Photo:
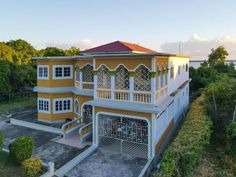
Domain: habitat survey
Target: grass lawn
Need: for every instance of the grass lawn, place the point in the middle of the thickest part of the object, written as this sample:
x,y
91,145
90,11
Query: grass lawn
x,y
4,107
9,168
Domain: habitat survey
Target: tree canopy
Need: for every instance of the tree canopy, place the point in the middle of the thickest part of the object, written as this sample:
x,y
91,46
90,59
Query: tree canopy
x,y
217,55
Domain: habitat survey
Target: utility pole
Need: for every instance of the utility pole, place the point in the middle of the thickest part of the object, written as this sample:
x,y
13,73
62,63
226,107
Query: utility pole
x,y
180,50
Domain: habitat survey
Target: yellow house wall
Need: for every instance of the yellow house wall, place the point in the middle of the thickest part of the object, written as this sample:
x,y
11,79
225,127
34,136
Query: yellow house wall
x,y
160,61
164,136
82,63
58,82
61,116
130,63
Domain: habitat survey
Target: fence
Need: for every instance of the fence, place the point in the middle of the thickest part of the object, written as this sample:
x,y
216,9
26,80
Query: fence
x,y
17,96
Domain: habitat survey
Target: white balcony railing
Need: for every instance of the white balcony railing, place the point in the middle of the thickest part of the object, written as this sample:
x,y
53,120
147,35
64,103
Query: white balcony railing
x,y
87,85
104,93
142,97
84,85
122,95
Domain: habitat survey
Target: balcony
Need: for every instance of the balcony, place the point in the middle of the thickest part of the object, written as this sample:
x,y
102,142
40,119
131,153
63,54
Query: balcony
x,y
84,85
124,95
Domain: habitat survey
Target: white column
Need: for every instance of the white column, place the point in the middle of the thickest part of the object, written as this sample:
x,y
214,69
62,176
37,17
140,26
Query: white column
x,y
80,79
112,87
95,78
153,89
131,88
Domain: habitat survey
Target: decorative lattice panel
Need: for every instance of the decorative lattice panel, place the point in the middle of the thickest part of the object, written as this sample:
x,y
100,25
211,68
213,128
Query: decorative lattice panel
x,y
121,78
123,135
87,73
104,78
142,79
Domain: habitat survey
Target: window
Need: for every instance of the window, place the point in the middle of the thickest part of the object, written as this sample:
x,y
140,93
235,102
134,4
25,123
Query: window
x,y
44,105
62,72
186,67
62,105
76,107
179,69
43,72
172,72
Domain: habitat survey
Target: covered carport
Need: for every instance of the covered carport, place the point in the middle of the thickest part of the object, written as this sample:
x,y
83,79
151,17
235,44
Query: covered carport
x,y
123,134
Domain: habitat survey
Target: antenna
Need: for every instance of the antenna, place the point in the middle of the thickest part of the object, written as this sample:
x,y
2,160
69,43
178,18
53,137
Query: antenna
x,y
180,48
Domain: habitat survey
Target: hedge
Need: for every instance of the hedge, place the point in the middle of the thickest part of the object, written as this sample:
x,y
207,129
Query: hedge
x,y
1,140
32,167
183,154
21,149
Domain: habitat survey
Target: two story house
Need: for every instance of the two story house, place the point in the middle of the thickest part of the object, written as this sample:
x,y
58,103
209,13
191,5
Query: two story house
x,y
127,96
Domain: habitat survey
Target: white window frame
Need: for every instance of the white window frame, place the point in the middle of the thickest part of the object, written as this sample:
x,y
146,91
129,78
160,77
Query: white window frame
x,y
62,77
43,77
44,99
62,111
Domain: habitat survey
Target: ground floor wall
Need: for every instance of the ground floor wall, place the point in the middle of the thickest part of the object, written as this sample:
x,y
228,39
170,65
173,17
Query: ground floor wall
x,y
52,116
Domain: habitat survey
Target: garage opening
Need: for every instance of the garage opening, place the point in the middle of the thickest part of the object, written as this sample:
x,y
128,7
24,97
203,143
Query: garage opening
x,y
123,134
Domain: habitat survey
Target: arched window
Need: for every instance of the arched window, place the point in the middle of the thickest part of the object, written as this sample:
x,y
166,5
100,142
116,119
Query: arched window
x,y
76,107
77,73
121,78
104,78
142,79
87,75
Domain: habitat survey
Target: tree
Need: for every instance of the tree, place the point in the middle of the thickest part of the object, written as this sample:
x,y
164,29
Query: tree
x,y
217,55
72,51
24,49
51,51
5,86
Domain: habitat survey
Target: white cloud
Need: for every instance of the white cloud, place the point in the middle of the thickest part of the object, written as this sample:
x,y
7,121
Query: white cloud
x,y
199,47
82,44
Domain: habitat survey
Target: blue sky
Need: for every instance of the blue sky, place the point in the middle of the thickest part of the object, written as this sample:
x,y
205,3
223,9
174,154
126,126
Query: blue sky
x,y
151,23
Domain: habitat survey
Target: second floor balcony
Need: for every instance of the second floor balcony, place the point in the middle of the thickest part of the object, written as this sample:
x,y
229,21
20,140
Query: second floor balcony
x,y
140,85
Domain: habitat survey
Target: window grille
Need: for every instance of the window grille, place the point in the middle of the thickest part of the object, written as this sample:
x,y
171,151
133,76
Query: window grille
x,y
104,78
142,79
87,75
121,78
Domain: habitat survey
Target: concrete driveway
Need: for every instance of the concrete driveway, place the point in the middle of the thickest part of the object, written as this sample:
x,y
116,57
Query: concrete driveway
x,y
105,163
45,146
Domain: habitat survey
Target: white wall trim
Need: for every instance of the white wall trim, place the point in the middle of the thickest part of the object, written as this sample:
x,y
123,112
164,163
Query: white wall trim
x,y
62,99
44,99
63,77
43,78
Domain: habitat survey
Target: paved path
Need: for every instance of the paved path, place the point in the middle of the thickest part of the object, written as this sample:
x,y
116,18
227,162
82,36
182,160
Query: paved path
x,y
105,163
45,146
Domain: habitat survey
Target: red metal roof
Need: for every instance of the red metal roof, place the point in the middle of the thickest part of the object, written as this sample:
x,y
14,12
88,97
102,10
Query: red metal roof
x,y
118,46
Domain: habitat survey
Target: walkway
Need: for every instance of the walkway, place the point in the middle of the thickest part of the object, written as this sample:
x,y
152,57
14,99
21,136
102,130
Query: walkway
x,y
105,163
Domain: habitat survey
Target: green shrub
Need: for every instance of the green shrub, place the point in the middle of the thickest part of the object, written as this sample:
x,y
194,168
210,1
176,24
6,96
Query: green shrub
x,y
183,154
21,149
231,134
1,140
32,167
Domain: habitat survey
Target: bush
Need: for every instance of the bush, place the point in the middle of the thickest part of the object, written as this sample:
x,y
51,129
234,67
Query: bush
x,y
183,154
21,149
32,167
231,134
1,140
